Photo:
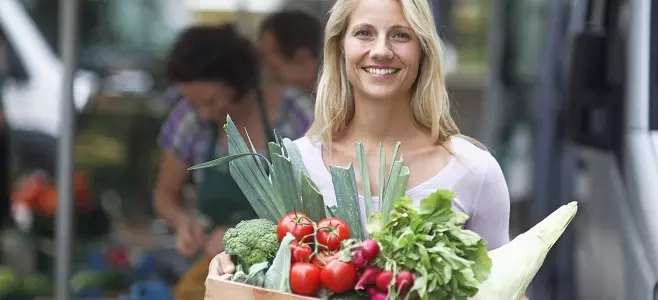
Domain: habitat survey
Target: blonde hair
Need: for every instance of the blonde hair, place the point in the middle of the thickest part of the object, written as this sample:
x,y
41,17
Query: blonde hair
x,y
334,106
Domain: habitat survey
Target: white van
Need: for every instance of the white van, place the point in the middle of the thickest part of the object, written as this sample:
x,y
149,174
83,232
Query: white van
x,y
587,71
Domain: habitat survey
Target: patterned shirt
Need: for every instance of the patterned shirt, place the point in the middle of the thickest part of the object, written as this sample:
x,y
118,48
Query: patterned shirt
x,y
184,135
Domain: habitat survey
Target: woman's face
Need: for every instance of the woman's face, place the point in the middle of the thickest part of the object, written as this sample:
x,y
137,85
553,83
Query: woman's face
x,y
382,54
211,100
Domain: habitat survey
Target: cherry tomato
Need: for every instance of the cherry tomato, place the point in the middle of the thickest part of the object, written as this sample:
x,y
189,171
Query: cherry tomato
x,y
300,252
323,258
339,276
304,278
332,232
298,224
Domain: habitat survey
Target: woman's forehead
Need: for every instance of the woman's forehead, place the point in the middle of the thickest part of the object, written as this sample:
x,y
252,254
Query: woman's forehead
x,y
378,13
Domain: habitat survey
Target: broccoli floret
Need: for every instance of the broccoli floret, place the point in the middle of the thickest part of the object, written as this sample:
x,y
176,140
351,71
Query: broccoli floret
x,y
252,241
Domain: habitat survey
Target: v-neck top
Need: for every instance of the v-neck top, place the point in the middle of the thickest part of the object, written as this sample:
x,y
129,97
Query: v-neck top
x,y
473,174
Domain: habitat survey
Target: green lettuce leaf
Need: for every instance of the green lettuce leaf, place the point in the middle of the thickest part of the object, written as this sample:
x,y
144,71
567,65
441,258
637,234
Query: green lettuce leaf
x,y
254,276
430,241
278,276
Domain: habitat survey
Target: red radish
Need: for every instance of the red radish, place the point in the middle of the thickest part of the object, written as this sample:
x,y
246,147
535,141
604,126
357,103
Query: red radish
x,y
372,291
404,281
370,249
368,277
379,296
384,280
358,260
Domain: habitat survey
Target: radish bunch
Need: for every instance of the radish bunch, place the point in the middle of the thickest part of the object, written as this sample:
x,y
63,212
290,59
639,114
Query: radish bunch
x,y
374,281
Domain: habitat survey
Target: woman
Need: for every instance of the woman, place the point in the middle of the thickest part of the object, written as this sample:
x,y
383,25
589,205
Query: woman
x,y
383,81
216,72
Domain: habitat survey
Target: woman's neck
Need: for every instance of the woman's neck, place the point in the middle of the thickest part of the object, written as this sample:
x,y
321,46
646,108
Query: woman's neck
x,y
384,121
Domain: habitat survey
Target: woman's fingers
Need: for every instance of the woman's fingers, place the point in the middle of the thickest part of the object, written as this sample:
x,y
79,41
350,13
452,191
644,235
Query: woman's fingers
x,y
221,267
225,263
213,269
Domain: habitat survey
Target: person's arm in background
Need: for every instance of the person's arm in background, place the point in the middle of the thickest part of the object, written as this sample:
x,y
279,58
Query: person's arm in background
x,y
176,142
171,178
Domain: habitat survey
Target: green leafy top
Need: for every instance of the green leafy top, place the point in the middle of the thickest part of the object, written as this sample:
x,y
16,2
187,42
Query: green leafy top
x,y
281,184
451,262
273,187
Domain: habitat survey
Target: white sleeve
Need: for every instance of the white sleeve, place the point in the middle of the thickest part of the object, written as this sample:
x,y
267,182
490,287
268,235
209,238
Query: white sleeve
x,y
491,209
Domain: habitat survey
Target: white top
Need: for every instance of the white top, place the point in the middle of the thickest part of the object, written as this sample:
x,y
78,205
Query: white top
x,y
474,176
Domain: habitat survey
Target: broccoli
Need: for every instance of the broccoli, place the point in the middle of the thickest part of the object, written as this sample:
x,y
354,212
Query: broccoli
x,y
252,241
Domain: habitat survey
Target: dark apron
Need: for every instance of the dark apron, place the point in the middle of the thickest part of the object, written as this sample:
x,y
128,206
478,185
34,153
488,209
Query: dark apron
x,y
221,201
219,198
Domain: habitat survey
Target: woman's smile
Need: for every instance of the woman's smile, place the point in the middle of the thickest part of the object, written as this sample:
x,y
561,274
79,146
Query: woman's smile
x,y
381,72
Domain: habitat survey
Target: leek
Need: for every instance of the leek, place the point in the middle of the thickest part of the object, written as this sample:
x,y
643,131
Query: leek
x,y
515,265
347,198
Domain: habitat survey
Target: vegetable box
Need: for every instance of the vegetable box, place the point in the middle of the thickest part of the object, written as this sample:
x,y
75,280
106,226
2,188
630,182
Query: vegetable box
x,y
227,290
412,249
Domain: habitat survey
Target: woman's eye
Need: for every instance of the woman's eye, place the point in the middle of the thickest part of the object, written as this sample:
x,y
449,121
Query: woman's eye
x,y
362,33
401,35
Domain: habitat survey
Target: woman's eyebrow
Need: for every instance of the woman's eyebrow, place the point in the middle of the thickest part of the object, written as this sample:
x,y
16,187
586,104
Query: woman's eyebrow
x,y
394,27
400,26
361,25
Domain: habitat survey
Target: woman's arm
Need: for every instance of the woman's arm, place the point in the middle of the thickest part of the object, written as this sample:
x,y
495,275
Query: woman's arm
x,y
171,178
177,140
491,210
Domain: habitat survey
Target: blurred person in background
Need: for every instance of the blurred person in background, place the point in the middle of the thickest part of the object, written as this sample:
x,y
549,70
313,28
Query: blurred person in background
x,y
290,47
216,72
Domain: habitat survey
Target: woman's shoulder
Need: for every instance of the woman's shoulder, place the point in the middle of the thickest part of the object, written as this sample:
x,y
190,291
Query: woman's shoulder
x,y
181,131
182,120
473,155
307,145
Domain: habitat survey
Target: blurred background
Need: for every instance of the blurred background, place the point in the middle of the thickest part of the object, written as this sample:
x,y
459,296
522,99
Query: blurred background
x,y
564,92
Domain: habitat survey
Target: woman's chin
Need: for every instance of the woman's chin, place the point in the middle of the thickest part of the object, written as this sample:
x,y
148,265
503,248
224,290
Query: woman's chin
x,y
380,93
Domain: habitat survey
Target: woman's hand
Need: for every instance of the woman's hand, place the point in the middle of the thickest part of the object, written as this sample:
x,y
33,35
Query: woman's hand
x,y
221,267
189,237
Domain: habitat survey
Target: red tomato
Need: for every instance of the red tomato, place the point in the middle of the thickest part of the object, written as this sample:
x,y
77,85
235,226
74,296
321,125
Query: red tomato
x,y
304,278
298,224
331,232
300,253
323,258
339,276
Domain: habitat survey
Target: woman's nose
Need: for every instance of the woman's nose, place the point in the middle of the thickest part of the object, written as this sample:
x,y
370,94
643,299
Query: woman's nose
x,y
381,49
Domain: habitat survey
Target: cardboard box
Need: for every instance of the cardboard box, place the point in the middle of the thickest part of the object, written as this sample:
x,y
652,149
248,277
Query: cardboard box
x,y
227,290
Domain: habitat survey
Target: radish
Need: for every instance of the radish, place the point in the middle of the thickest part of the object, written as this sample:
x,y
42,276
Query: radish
x,y
358,260
379,295
370,249
369,277
404,281
384,280
372,291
